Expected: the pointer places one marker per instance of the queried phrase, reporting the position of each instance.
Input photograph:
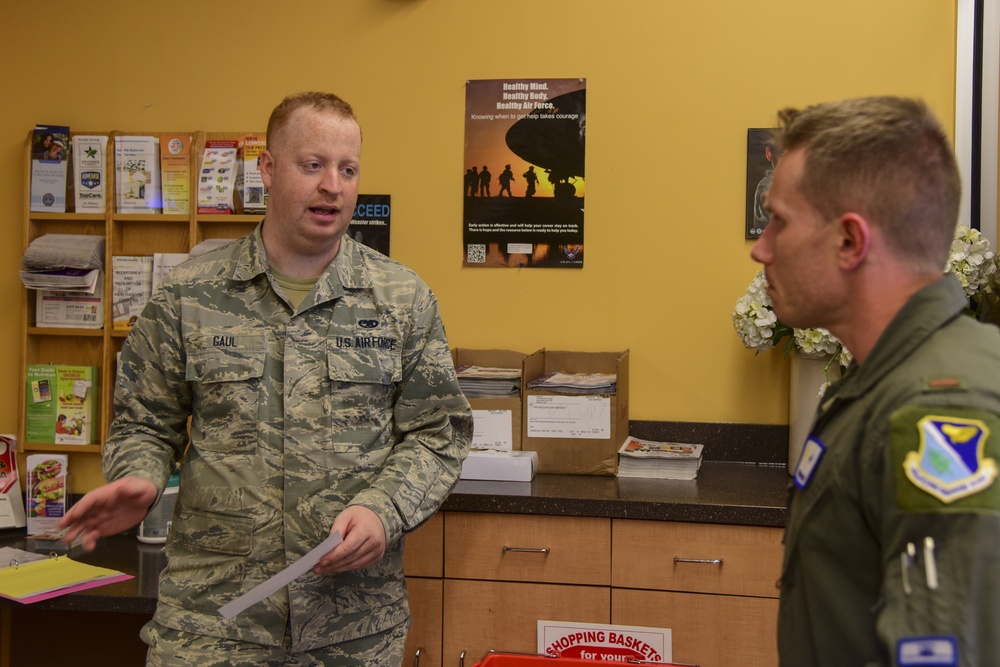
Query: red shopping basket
(498, 659)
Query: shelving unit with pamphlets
(126, 234)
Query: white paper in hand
(268, 588)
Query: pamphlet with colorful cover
(61, 404)
(90, 175)
(175, 173)
(11, 500)
(218, 190)
(46, 492)
(49, 162)
(131, 286)
(137, 174)
(254, 192)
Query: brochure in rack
(49, 166)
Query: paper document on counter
(277, 582)
(26, 578)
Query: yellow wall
(672, 88)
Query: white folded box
(515, 466)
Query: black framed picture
(761, 158)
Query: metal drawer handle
(461, 658)
(706, 561)
(543, 550)
(416, 657)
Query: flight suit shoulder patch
(945, 457)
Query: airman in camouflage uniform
(303, 409)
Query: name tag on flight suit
(812, 453)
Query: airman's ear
(854, 241)
(266, 167)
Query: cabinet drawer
(704, 558)
(511, 547)
(706, 630)
(423, 551)
(488, 615)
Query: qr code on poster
(475, 253)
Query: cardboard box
(46, 492)
(493, 414)
(11, 500)
(575, 434)
(500, 466)
(60, 404)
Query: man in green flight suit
(322, 398)
(892, 547)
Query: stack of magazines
(487, 382)
(63, 262)
(576, 383)
(658, 460)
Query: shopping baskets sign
(618, 643)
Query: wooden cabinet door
(706, 630)
(503, 616)
(423, 551)
(424, 638)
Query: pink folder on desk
(52, 577)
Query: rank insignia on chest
(927, 651)
(950, 463)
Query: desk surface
(728, 493)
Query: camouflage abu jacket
(350, 400)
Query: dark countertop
(724, 492)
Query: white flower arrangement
(754, 318)
(760, 329)
(971, 259)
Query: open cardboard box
(588, 446)
(497, 410)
